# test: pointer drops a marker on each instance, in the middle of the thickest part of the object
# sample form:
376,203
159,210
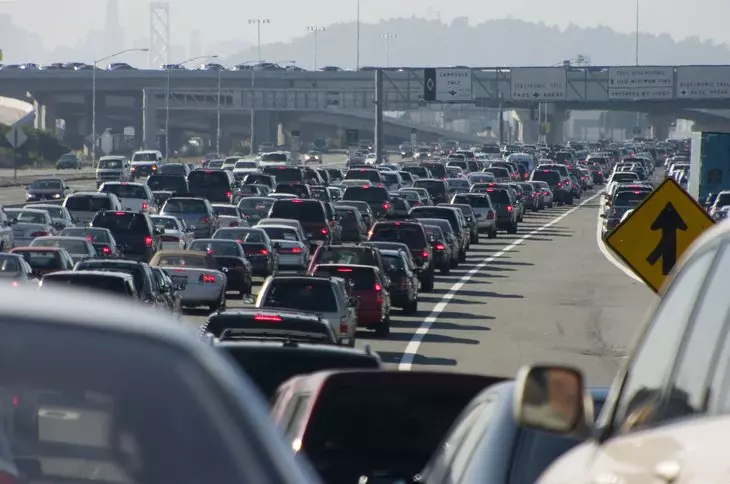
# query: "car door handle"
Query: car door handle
667,470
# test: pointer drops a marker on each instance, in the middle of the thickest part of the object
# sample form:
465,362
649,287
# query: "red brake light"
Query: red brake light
297,201
440,247
106,250
207,278
229,194
344,269
386,205
424,253
296,250
89,238
148,241
366,186
509,208
267,317
637,193
121,213
204,220
16,401
378,287
14,283
264,252
144,206
546,171
324,231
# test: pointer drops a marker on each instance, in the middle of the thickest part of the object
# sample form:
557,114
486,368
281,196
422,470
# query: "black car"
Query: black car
414,236
376,197
439,247
141,272
231,258
175,184
47,189
403,280
134,232
218,186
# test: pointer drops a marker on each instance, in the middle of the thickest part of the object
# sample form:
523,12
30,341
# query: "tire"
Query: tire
428,282
445,269
383,329
474,238
492,234
411,307
220,304
462,256
550,205
512,229
521,218
571,201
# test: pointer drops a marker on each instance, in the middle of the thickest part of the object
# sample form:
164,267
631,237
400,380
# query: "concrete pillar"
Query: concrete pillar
556,121
51,114
660,125
40,115
138,120
529,128
265,128
150,128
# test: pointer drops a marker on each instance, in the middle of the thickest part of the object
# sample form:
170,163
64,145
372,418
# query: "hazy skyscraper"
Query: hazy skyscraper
196,44
113,33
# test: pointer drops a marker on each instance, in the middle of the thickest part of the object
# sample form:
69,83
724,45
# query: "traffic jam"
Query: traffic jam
292,262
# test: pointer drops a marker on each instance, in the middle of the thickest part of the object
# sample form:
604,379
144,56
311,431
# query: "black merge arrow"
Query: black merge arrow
669,222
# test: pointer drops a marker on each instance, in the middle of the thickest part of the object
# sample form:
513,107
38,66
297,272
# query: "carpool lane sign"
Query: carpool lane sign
655,235
447,85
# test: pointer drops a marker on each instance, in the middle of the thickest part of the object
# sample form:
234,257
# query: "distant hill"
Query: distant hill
506,42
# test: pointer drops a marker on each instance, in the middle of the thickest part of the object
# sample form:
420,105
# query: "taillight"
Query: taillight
14,283
560,184
6,478
424,254
229,194
16,401
386,205
440,247
40,233
144,206
344,327
204,220
264,252
148,241
509,208
268,317
324,231
490,216
207,278
378,287
296,250
106,250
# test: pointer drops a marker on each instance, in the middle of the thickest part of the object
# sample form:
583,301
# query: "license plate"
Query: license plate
179,279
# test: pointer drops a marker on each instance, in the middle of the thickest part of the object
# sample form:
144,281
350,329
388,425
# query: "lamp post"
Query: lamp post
252,138
315,30
167,98
93,98
218,117
357,40
258,22
388,37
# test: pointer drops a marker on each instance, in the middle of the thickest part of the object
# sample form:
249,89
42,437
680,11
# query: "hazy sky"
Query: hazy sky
65,22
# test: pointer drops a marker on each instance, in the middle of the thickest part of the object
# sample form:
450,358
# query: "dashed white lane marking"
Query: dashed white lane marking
409,354
606,252
58,414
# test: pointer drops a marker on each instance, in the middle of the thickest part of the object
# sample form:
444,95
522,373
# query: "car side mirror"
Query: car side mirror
353,302
158,231
277,245
13,221
603,215
553,399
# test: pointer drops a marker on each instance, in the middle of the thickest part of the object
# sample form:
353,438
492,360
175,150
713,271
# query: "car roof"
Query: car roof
122,275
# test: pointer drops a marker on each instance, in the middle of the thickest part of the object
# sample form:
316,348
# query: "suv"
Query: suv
376,197
218,186
365,174
112,168
561,193
134,232
197,213
327,296
455,218
504,205
438,189
310,213
483,211
414,236
145,163
136,197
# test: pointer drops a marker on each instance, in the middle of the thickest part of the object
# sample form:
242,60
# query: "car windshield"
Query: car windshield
366,194
88,203
498,196
27,216
40,259
121,222
274,157
629,198
167,182
167,223
46,185
71,246
229,211
144,157
624,176
173,169
245,165
393,263
184,205
124,191
281,233
182,260
53,211
346,255
221,247
301,294
111,164
410,234
243,235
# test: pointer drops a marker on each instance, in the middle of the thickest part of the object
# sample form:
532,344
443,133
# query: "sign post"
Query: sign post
653,238
17,138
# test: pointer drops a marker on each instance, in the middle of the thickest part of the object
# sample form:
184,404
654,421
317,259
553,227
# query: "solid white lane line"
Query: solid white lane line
605,250
409,354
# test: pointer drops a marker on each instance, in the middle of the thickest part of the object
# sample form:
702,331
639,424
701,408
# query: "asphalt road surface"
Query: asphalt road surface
545,294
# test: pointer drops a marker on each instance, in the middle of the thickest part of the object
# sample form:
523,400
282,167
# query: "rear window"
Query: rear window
347,255
393,263
93,236
42,259
358,174
121,222
31,217
549,176
625,176
433,186
254,236
498,196
71,246
111,285
410,234
366,194
144,157
125,191
434,233
177,205
362,278
498,172
9,264
301,294
256,204
111,164
206,179
438,170
227,248
87,203
182,260
458,183
270,366
629,198
135,270
302,210
170,183
283,174
472,201
280,233
172,169
274,157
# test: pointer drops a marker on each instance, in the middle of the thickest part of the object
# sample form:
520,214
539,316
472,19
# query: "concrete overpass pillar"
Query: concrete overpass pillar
138,120
660,125
529,128
556,122
265,128
150,127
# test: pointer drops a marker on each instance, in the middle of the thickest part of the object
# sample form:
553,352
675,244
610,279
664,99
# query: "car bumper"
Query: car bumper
369,317
292,260
200,293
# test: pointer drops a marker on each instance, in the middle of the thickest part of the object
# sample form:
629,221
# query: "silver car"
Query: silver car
176,236
79,248
83,206
293,250
197,213
484,212
60,216
326,296
29,224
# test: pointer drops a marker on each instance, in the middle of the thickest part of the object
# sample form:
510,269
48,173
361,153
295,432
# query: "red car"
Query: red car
368,285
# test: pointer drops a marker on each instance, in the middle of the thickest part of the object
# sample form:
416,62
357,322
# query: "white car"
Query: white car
244,167
175,234
293,252
229,215
134,197
29,224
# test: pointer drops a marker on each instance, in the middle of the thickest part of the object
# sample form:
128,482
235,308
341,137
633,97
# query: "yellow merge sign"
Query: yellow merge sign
657,232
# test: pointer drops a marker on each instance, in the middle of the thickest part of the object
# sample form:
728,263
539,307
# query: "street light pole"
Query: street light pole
388,37
357,55
315,30
218,116
167,97
93,98
258,22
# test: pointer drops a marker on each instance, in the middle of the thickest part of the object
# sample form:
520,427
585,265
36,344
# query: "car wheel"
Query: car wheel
411,307
382,330
428,282
512,229
571,201
462,256
492,234
474,238
445,269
